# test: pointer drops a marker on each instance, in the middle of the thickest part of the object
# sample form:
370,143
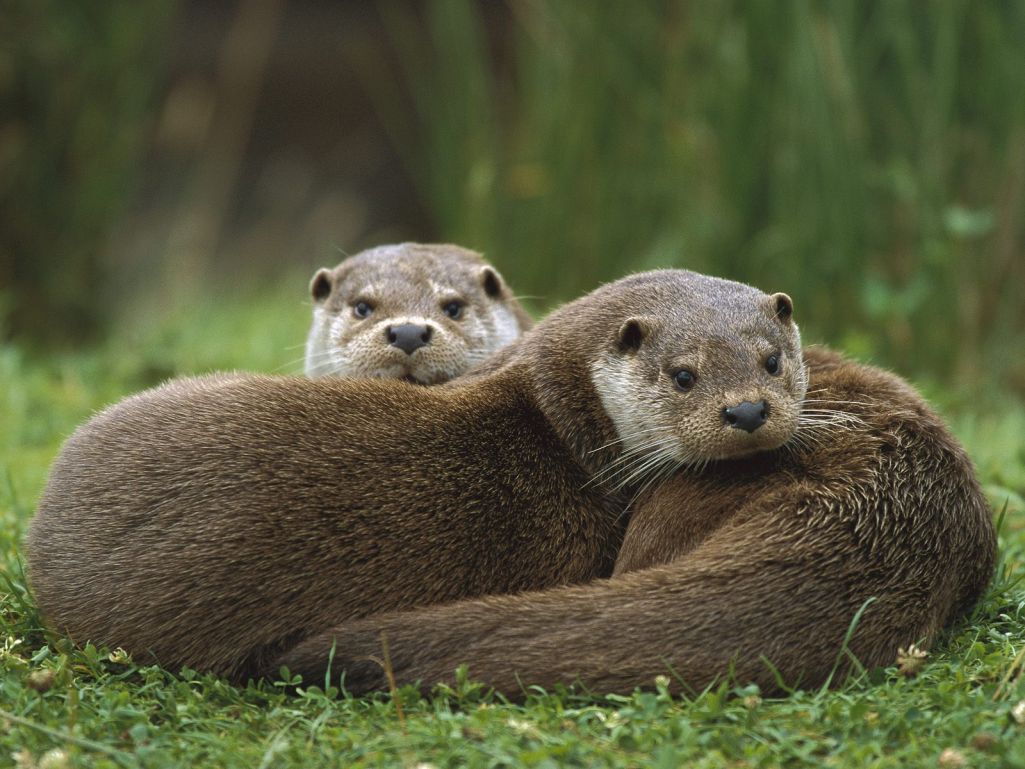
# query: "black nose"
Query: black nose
409,337
746,416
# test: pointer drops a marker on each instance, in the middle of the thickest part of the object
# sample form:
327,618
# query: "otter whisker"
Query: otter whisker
817,391
288,365
701,465
651,471
831,414
671,465
808,436
832,396
821,423
314,357
819,434
848,424
319,355
824,410
821,407
643,467
627,461
633,434
633,451
795,441
631,454
838,401
812,432
636,463
637,472
806,439
805,424
834,418
795,447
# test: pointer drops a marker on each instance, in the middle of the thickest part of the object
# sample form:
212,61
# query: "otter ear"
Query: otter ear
783,306
631,334
491,281
321,285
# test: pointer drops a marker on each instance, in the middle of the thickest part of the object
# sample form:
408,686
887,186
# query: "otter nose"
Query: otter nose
746,416
409,337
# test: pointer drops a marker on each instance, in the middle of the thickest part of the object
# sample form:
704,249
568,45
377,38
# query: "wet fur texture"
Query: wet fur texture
410,283
216,522
872,506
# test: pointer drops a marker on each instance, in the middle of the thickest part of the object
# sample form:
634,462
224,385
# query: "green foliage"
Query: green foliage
868,158
94,707
76,80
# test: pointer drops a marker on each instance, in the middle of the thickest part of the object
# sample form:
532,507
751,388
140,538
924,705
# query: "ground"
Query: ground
61,706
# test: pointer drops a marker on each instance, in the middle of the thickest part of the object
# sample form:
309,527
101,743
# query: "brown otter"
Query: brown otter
425,313
872,509
217,521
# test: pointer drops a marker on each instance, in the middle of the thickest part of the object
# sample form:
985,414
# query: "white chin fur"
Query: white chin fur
636,422
318,346
507,328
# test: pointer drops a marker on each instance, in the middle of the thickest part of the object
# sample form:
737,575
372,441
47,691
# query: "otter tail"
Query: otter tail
762,599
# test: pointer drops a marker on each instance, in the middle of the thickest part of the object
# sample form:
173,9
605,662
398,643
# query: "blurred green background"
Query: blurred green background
867,157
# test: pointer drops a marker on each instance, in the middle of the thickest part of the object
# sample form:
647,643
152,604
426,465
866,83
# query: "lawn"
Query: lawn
95,707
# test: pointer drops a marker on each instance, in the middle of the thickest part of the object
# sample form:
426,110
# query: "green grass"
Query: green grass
868,156
101,709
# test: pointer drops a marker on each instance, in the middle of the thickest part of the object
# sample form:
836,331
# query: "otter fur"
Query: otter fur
216,522
869,521
421,312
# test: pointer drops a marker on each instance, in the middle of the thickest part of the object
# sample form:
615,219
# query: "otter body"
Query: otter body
216,522
872,507
425,313
236,513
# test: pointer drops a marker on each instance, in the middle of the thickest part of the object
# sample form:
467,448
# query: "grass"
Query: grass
867,156
95,707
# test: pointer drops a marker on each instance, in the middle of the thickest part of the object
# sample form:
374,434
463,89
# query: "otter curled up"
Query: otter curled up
871,505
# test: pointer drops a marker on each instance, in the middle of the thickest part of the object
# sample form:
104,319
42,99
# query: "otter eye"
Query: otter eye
684,379
362,310
772,364
454,309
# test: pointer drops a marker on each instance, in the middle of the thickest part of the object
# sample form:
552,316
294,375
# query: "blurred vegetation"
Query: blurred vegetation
868,158
76,87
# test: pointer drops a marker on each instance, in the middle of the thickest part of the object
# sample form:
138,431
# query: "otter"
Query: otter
424,313
217,522
865,533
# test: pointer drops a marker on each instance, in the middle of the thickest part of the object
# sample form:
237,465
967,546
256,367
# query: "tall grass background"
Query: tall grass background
868,158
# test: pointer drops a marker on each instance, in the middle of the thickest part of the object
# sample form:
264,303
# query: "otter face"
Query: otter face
719,377
425,314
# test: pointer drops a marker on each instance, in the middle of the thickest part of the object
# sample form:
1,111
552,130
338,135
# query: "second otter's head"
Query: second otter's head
424,313
705,369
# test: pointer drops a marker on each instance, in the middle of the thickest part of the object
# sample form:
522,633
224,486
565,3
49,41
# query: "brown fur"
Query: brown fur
409,283
215,522
766,558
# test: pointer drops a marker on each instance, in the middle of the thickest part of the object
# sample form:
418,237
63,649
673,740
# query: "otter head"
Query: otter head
703,369
424,313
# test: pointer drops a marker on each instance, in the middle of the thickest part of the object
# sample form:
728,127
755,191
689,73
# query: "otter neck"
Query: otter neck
561,386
